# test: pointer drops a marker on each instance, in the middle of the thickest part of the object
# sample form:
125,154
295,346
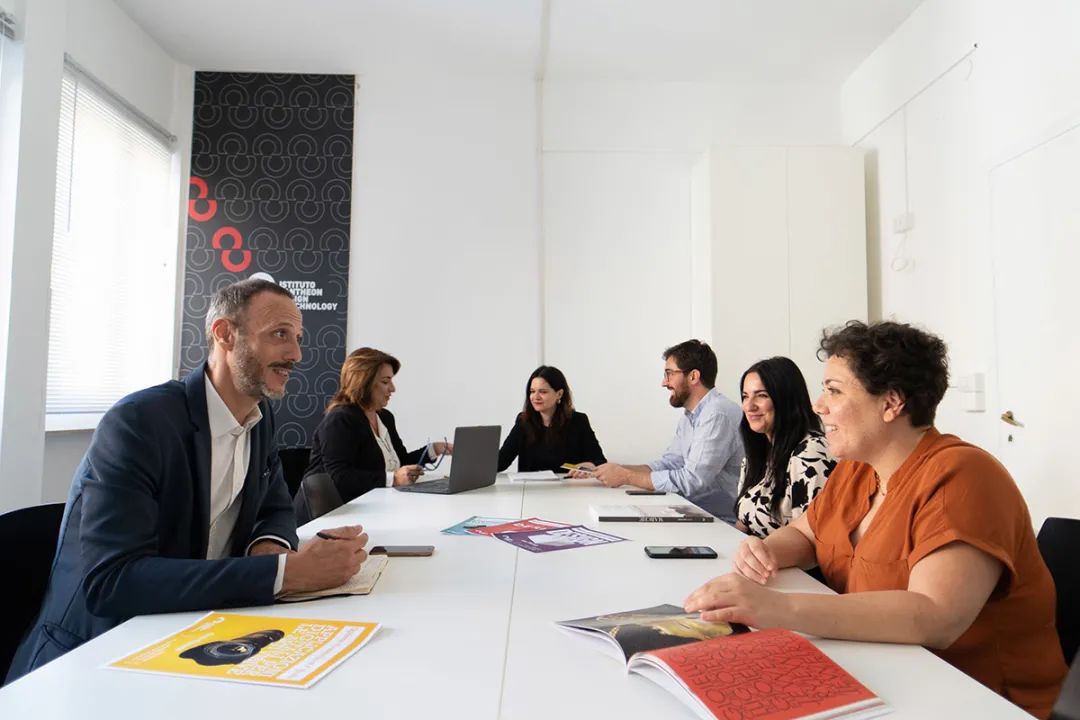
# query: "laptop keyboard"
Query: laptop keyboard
428,486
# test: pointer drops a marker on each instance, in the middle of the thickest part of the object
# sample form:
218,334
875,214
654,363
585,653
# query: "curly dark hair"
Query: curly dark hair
893,356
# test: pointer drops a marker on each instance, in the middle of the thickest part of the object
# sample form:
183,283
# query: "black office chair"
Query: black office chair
1067,706
294,462
1059,543
316,497
31,534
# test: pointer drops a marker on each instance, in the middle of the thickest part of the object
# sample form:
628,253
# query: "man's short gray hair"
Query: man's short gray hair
231,301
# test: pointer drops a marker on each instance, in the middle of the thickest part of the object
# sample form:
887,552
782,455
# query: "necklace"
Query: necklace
880,489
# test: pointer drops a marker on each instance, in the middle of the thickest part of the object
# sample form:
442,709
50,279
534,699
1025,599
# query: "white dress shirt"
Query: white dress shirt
230,454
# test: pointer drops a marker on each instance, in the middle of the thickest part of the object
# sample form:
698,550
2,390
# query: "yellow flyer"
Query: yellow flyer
287,652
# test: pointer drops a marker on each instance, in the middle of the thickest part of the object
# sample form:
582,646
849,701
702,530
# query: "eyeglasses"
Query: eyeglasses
668,373
434,463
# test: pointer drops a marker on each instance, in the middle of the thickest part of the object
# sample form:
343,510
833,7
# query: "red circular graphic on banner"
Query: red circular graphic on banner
211,205
226,257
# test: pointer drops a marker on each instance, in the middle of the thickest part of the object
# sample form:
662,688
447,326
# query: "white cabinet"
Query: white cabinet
788,253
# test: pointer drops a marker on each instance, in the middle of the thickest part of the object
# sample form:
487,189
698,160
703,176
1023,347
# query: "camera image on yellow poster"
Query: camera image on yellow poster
287,652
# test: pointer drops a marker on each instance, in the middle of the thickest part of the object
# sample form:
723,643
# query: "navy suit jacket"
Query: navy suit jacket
136,526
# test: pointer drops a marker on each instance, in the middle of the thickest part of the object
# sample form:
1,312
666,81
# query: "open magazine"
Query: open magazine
725,671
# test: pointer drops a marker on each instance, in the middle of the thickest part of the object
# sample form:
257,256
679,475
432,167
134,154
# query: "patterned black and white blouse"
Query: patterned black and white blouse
807,470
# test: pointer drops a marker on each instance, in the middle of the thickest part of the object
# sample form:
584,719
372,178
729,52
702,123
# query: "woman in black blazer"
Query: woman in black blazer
549,432
357,442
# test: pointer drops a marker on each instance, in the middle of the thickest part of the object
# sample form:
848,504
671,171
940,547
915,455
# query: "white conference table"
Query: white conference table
469,632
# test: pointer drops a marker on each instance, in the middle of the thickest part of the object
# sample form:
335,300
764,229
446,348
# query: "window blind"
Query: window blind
7,27
114,249
7,34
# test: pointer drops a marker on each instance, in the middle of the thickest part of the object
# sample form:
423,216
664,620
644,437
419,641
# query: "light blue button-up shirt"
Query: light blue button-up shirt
702,462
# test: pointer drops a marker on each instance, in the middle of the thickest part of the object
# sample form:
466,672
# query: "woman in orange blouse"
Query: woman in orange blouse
926,538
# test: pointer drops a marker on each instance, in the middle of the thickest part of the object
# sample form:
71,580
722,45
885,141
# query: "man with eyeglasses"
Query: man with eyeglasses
702,461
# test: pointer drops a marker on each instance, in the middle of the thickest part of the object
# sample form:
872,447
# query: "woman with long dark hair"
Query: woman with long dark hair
548,431
787,461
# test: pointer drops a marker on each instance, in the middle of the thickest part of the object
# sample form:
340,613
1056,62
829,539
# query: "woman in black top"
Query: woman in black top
549,432
357,442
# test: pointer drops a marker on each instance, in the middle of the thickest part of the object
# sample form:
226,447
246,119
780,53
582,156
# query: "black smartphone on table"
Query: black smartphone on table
671,552
645,492
402,550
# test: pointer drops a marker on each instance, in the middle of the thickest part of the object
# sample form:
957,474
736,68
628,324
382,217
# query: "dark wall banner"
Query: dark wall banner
271,191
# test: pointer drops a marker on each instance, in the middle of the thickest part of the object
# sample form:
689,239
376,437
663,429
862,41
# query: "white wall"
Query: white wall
617,289
701,248
930,149
751,249
622,165
22,420
11,85
104,40
942,125
1032,83
686,117
444,264
108,44
934,37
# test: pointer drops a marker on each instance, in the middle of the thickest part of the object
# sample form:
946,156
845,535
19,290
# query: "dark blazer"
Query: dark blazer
574,443
345,447
136,526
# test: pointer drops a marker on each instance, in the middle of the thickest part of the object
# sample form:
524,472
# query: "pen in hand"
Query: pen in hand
328,534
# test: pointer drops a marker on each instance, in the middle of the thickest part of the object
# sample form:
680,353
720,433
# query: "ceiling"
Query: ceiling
645,40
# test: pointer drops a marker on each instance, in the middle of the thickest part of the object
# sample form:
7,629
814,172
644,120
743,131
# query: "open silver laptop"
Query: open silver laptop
476,460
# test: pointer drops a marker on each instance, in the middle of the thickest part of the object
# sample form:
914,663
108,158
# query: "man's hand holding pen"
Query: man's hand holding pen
327,560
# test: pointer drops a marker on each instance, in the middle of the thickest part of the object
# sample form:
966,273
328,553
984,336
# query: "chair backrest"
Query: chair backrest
316,497
1067,706
31,534
1059,543
294,462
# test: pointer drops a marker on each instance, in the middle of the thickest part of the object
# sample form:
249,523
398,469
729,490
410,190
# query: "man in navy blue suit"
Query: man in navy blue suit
179,503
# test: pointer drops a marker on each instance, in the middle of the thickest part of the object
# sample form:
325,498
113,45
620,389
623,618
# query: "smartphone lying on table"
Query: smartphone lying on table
642,491
402,550
669,552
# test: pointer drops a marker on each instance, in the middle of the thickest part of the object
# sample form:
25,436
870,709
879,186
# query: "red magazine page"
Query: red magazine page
764,675
517,526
